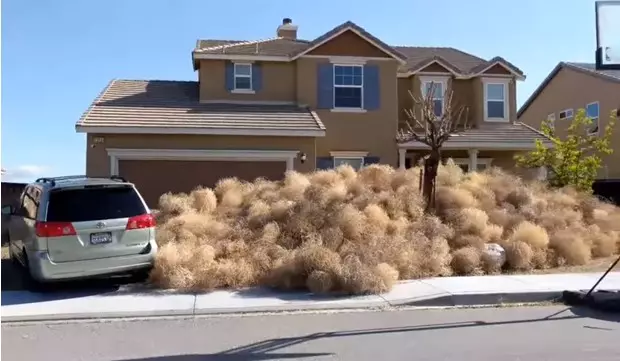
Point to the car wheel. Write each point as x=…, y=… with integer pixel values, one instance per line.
x=141, y=275
x=14, y=258
x=31, y=283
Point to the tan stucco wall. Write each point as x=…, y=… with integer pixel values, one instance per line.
x=278, y=82
x=574, y=89
x=467, y=93
x=98, y=161
x=373, y=131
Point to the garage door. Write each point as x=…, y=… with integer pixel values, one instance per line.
x=156, y=177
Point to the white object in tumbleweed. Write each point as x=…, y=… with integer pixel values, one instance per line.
x=496, y=253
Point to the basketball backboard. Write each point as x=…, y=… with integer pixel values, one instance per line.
x=607, y=34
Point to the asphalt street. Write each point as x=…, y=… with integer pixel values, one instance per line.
x=511, y=333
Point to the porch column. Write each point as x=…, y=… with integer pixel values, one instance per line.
x=473, y=160
x=401, y=158
x=290, y=163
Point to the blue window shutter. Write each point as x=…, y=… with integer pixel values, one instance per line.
x=325, y=86
x=371, y=160
x=230, y=76
x=257, y=77
x=324, y=163
x=371, y=87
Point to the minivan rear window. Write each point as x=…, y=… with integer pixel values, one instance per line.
x=94, y=203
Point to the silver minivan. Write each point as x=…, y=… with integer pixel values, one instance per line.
x=78, y=227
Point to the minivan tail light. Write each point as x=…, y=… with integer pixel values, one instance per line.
x=54, y=229
x=141, y=221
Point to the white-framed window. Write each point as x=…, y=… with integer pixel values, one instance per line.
x=482, y=163
x=592, y=112
x=243, y=76
x=348, y=86
x=496, y=100
x=439, y=91
x=551, y=120
x=566, y=114
x=356, y=162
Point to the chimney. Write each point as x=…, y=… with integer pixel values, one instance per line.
x=287, y=30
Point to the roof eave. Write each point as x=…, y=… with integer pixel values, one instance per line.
x=540, y=88
x=107, y=129
x=402, y=59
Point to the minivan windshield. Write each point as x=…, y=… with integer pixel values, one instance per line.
x=93, y=203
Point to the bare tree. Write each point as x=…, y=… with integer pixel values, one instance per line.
x=424, y=125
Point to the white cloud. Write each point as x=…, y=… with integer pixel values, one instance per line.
x=24, y=173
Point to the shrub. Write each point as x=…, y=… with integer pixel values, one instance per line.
x=359, y=232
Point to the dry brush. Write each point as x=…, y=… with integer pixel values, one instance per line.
x=359, y=232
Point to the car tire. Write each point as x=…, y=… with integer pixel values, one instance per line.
x=12, y=256
x=141, y=275
x=31, y=283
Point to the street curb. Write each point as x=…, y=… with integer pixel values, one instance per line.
x=97, y=316
x=481, y=299
x=454, y=300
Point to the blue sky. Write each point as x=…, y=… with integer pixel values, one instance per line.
x=58, y=55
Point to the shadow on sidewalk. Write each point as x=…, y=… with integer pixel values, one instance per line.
x=263, y=350
x=235, y=357
x=586, y=312
x=62, y=290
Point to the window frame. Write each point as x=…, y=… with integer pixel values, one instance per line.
x=505, y=84
x=424, y=80
x=334, y=158
x=595, y=120
x=248, y=76
x=566, y=116
x=361, y=87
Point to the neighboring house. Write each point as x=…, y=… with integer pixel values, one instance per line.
x=572, y=86
x=262, y=107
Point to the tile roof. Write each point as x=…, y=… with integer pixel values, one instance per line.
x=417, y=56
x=272, y=47
x=174, y=104
x=459, y=61
x=591, y=67
x=510, y=135
x=586, y=68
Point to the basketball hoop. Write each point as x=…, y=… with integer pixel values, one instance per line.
x=607, y=15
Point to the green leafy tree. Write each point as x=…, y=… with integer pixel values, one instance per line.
x=573, y=160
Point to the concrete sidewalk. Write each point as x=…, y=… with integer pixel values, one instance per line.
x=446, y=291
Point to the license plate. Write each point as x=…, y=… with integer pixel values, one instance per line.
x=101, y=238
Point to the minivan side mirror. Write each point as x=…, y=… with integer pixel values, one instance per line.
x=8, y=210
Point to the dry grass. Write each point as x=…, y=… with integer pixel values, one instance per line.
x=359, y=232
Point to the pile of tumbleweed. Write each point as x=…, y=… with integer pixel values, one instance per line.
x=359, y=232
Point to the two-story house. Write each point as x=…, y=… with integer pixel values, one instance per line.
x=573, y=86
x=260, y=108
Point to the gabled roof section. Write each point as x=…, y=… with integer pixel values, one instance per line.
x=361, y=32
x=457, y=62
x=585, y=68
x=498, y=60
x=412, y=59
x=458, y=59
x=437, y=59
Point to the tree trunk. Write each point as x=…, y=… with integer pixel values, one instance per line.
x=431, y=164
